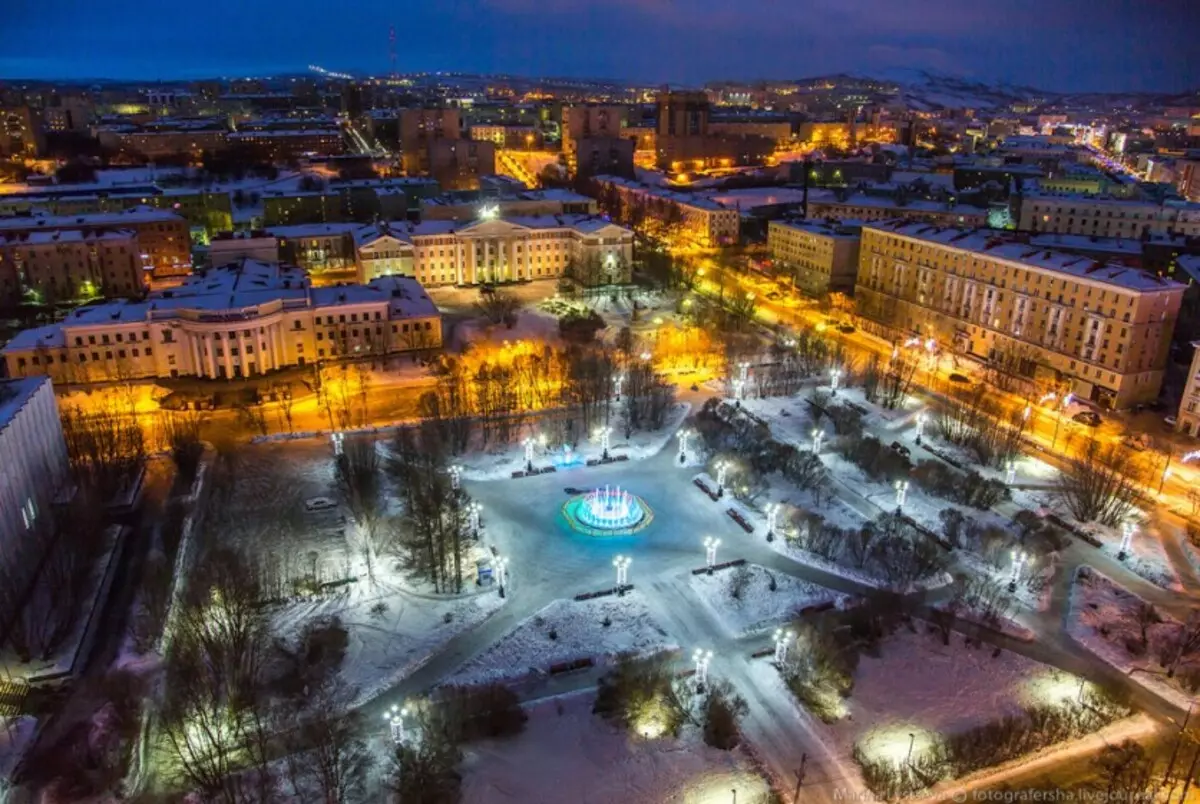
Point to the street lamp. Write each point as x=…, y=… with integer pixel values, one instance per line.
x=1066, y=401
x=710, y=552
x=529, y=442
x=618, y=381
x=835, y=374
x=818, y=435
x=739, y=386
x=782, y=639
x=501, y=573
x=921, y=417
x=336, y=439
x=455, y=477
x=622, y=564
x=701, y=658
x=1018, y=562
x=772, y=520
x=1127, y=529
x=474, y=518
x=901, y=494
x=395, y=720
x=683, y=436
x=722, y=470
x=1010, y=472
x=604, y=433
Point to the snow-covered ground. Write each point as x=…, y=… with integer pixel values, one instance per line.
x=16, y=736
x=919, y=686
x=578, y=632
x=501, y=462
x=390, y=633
x=567, y=754
x=758, y=608
x=1103, y=619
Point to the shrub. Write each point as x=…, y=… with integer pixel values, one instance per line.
x=475, y=713
x=723, y=708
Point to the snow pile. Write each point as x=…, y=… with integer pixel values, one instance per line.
x=567, y=630
x=757, y=608
x=568, y=754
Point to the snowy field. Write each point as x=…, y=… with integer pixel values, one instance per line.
x=567, y=754
x=567, y=630
x=919, y=686
x=16, y=736
x=758, y=608
x=390, y=634
x=1103, y=619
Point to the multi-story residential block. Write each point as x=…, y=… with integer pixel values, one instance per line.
x=419, y=128
x=33, y=457
x=1105, y=216
x=166, y=139
x=859, y=206
x=591, y=249
x=241, y=320
x=503, y=135
x=1049, y=320
x=163, y=237
x=821, y=257
x=459, y=164
x=66, y=264
x=20, y=132
x=230, y=247
x=289, y=144
x=525, y=203
x=706, y=222
x=318, y=247
x=590, y=121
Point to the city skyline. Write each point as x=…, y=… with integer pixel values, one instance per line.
x=1046, y=45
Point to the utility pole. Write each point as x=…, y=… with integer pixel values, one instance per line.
x=800, y=777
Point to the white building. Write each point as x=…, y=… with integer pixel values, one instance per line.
x=33, y=455
x=497, y=250
x=706, y=222
x=1105, y=216
x=241, y=320
x=821, y=257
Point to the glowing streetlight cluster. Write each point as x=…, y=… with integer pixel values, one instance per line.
x=395, y=720
x=604, y=434
x=835, y=376
x=722, y=468
x=455, y=477
x=782, y=639
x=772, y=520
x=818, y=435
x=474, y=518
x=710, y=552
x=701, y=658
x=622, y=564
x=901, y=494
x=502, y=573
x=1127, y=531
x=922, y=417
x=1019, y=557
x=684, y=436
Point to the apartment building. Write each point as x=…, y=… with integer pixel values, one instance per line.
x=240, y=320
x=705, y=222
x=418, y=129
x=442, y=252
x=318, y=247
x=61, y=265
x=821, y=257
x=33, y=456
x=590, y=121
x=860, y=206
x=284, y=145
x=163, y=237
x=1049, y=320
x=1105, y=216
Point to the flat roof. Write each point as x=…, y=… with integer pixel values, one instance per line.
x=990, y=243
x=697, y=201
x=114, y=219
x=14, y=394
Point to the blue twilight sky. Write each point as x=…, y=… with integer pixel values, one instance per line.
x=1073, y=45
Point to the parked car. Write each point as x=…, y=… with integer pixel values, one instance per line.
x=314, y=504
x=846, y=329
x=1171, y=421
x=1138, y=441
x=959, y=378
x=900, y=449
x=1089, y=418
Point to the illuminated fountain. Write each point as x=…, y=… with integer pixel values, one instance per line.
x=607, y=512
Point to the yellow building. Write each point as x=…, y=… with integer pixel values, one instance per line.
x=1048, y=320
x=1103, y=216
x=820, y=257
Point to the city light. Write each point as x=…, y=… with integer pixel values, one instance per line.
x=781, y=639
x=818, y=435
x=710, y=552
x=395, y=720
x=901, y=494
x=622, y=564
x=1127, y=531
x=1018, y=562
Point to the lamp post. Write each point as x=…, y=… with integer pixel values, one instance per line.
x=921, y=417
x=395, y=720
x=835, y=374
x=739, y=388
x=604, y=433
x=475, y=518
x=818, y=435
x=772, y=520
x=622, y=564
x=1066, y=401
x=529, y=442
x=710, y=552
x=683, y=436
x=722, y=469
x=1010, y=472
x=912, y=739
x=1018, y=561
x=901, y=494
x=1166, y=472
x=701, y=658
x=1127, y=529
x=618, y=381
x=336, y=439
x=455, y=477
x=502, y=573
x=782, y=639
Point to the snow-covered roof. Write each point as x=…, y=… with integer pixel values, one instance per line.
x=14, y=394
x=56, y=236
x=93, y=219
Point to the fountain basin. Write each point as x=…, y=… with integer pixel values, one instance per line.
x=607, y=511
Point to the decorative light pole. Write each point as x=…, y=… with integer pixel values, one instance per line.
x=744, y=372
x=502, y=573
x=395, y=720
x=604, y=433
x=1010, y=472
x=921, y=419
x=835, y=374
x=1127, y=529
x=1018, y=562
x=1066, y=401
x=782, y=639
x=1025, y=414
x=455, y=477
x=722, y=469
x=618, y=381
x=622, y=564
x=772, y=520
x=818, y=436
x=739, y=389
x=529, y=442
x=710, y=552
x=901, y=494
x=336, y=439
x=701, y=658
x=683, y=436
x=474, y=518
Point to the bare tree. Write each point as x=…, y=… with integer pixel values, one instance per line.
x=329, y=759
x=1102, y=483
x=359, y=483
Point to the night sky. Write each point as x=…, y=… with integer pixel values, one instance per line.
x=1069, y=45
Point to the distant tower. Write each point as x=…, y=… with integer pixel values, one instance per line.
x=392, y=48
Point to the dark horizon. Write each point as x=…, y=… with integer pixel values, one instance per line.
x=1112, y=46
